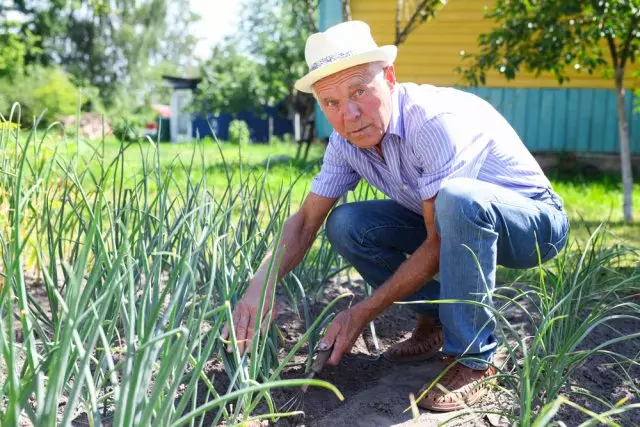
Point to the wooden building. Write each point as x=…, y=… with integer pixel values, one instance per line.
x=579, y=116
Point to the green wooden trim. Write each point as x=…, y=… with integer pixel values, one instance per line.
x=564, y=120
x=330, y=14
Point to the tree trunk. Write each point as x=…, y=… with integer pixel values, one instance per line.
x=625, y=152
x=346, y=10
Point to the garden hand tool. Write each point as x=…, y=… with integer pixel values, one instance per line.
x=296, y=403
x=319, y=361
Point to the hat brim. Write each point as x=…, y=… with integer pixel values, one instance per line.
x=385, y=54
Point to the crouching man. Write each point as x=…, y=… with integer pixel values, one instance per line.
x=464, y=195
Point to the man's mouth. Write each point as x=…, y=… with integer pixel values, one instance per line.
x=359, y=131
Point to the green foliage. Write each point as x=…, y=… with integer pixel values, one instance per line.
x=107, y=45
x=276, y=32
x=230, y=83
x=39, y=89
x=239, y=132
x=128, y=126
x=14, y=48
x=273, y=34
x=549, y=35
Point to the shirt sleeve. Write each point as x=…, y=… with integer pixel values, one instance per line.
x=444, y=149
x=336, y=175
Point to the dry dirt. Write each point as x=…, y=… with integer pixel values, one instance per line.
x=376, y=392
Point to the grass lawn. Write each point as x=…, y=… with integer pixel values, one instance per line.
x=589, y=201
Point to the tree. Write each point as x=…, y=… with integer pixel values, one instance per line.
x=108, y=44
x=275, y=33
x=231, y=82
x=410, y=14
x=14, y=48
x=556, y=35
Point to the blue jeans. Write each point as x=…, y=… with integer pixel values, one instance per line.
x=472, y=217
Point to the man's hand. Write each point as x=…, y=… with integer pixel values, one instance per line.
x=245, y=318
x=343, y=333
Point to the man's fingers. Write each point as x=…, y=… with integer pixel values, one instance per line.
x=240, y=322
x=330, y=336
x=225, y=332
x=250, y=333
x=336, y=353
x=243, y=326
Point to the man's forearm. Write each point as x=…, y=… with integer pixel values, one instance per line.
x=408, y=278
x=294, y=244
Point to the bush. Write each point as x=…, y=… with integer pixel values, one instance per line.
x=39, y=89
x=130, y=128
x=239, y=132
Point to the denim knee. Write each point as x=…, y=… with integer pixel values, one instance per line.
x=455, y=201
x=340, y=228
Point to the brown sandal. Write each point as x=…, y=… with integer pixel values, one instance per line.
x=465, y=387
x=425, y=342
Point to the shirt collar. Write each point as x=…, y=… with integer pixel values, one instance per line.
x=395, y=124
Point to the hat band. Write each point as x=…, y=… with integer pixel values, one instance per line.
x=329, y=59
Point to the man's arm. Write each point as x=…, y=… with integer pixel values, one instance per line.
x=407, y=279
x=298, y=234
x=412, y=274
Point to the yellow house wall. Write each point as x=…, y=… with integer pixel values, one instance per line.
x=432, y=52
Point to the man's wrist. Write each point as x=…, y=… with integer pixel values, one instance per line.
x=364, y=312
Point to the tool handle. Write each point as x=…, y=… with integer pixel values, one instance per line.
x=321, y=359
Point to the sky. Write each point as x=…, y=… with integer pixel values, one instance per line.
x=218, y=19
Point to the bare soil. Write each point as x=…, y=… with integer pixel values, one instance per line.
x=377, y=392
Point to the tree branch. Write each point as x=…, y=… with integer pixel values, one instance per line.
x=624, y=55
x=398, y=11
x=346, y=10
x=612, y=48
x=312, y=22
x=401, y=36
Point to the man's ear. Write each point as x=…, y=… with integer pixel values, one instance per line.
x=390, y=76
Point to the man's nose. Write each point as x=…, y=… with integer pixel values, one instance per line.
x=352, y=112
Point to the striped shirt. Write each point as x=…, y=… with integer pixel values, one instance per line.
x=434, y=134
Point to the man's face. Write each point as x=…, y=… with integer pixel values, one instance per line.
x=357, y=102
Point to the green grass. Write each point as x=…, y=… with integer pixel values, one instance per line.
x=588, y=202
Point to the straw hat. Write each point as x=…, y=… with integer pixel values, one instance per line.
x=340, y=47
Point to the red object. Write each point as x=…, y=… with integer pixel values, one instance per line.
x=163, y=111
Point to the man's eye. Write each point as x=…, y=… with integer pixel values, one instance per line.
x=360, y=92
x=332, y=103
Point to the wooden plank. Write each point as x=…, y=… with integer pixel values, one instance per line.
x=496, y=97
x=484, y=93
x=634, y=122
x=598, y=139
x=610, y=122
x=508, y=105
x=559, y=133
x=534, y=120
x=520, y=112
x=546, y=119
x=585, y=107
x=572, y=116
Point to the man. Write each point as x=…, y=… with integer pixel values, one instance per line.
x=464, y=196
